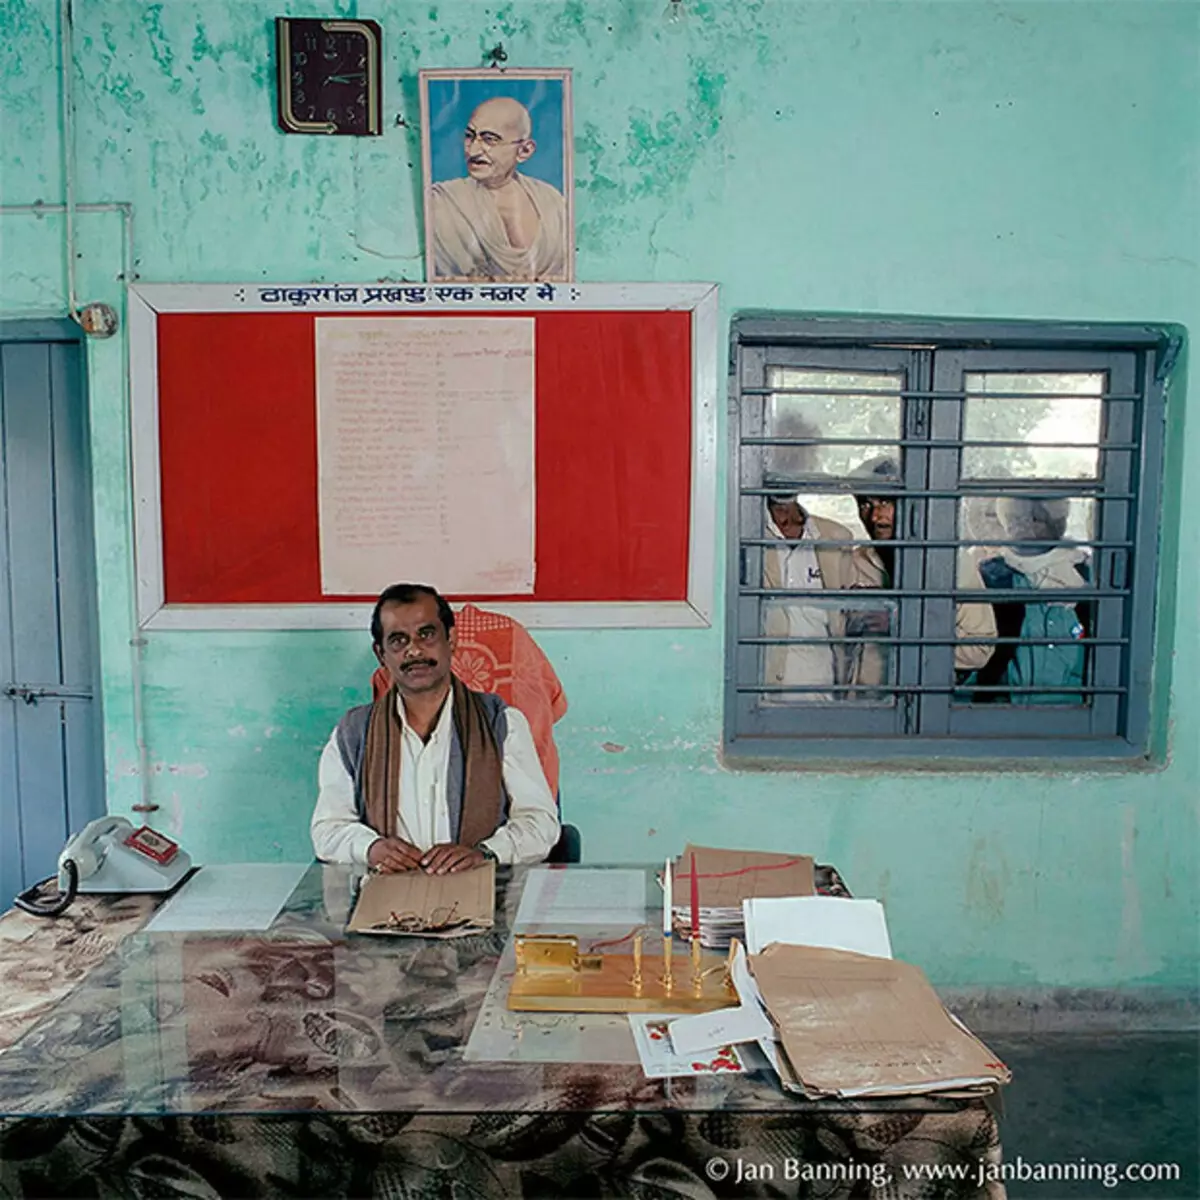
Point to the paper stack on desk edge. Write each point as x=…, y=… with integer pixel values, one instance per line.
x=727, y=878
x=839, y=1017
x=857, y=1025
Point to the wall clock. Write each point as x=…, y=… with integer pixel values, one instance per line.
x=329, y=76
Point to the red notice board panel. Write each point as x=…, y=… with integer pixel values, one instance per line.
x=237, y=455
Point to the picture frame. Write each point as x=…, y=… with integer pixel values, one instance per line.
x=501, y=205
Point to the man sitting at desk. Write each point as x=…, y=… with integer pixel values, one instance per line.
x=432, y=776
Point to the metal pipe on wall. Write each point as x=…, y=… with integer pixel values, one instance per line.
x=66, y=63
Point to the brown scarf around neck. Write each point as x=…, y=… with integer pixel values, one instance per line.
x=481, y=771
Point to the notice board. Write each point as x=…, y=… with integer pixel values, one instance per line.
x=223, y=387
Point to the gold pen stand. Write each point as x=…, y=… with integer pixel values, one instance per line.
x=552, y=976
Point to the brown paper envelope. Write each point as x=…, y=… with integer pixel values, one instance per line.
x=413, y=904
x=850, y=1022
x=727, y=877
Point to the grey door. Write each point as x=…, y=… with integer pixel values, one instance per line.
x=51, y=772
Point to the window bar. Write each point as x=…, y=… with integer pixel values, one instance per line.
x=963, y=595
x=1084, y=489
x=885, y=640
x=1090, y=689
x=937, y=543
x=951, y=394
x=937, y=443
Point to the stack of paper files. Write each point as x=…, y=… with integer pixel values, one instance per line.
x=724, y=878
x=855, y=1025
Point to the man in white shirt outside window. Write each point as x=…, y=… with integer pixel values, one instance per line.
x=432, y=776
x=808, y=567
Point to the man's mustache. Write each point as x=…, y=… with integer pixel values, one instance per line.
x=479, y=160
x=419, y=662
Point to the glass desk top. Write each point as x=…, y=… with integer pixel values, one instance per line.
x=304, y=1017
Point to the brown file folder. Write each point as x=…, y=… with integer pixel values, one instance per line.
x=853, y=1025
x=413, y=904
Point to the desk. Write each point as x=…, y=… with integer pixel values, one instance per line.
x=304, y=1062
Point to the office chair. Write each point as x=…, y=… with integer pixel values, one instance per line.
x=568, y=848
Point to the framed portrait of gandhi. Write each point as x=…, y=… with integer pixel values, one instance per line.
x=499, y=186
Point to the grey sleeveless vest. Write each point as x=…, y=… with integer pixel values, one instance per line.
x=352, y=743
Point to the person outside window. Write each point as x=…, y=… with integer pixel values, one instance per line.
x=798, y=563
x=1053, y=657
x=876, y=567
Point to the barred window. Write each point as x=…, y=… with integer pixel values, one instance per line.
x=943, y=537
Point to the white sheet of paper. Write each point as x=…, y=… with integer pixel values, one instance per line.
x=833, y=922
x=747, y=989
x=580, y=896
x=425, y=451
x=722, y=1027
x=660, y=1061
x=233, y=896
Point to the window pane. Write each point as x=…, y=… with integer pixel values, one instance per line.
x=1062, y=409
x=1050, y=553
x=809, y=669
x=834, y=404
x=870, y=663
x=984, y=520
x=832, y=652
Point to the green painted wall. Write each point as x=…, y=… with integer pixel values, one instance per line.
x=960, y=159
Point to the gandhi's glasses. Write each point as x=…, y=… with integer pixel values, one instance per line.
x=489, y=139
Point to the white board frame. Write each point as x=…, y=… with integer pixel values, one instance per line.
x=147, y=300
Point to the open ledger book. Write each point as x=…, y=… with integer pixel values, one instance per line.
x=413, y=904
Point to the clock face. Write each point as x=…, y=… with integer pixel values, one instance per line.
x=329, y=76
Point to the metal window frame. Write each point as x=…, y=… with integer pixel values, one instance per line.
x=1049, y=732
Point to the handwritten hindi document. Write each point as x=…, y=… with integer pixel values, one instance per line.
x=425, y=443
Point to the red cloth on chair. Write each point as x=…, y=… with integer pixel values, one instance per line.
x=494, y=653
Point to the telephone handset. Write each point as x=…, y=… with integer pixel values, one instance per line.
x=110, y=855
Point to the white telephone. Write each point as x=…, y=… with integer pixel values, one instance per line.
x=110, y=855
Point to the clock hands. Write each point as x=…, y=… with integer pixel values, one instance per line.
x=358, y=77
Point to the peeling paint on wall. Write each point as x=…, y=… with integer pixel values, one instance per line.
x=1131, y=952
x=987, y=881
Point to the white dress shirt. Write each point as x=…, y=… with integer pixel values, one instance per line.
x=807, y=664
x=423, y=814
